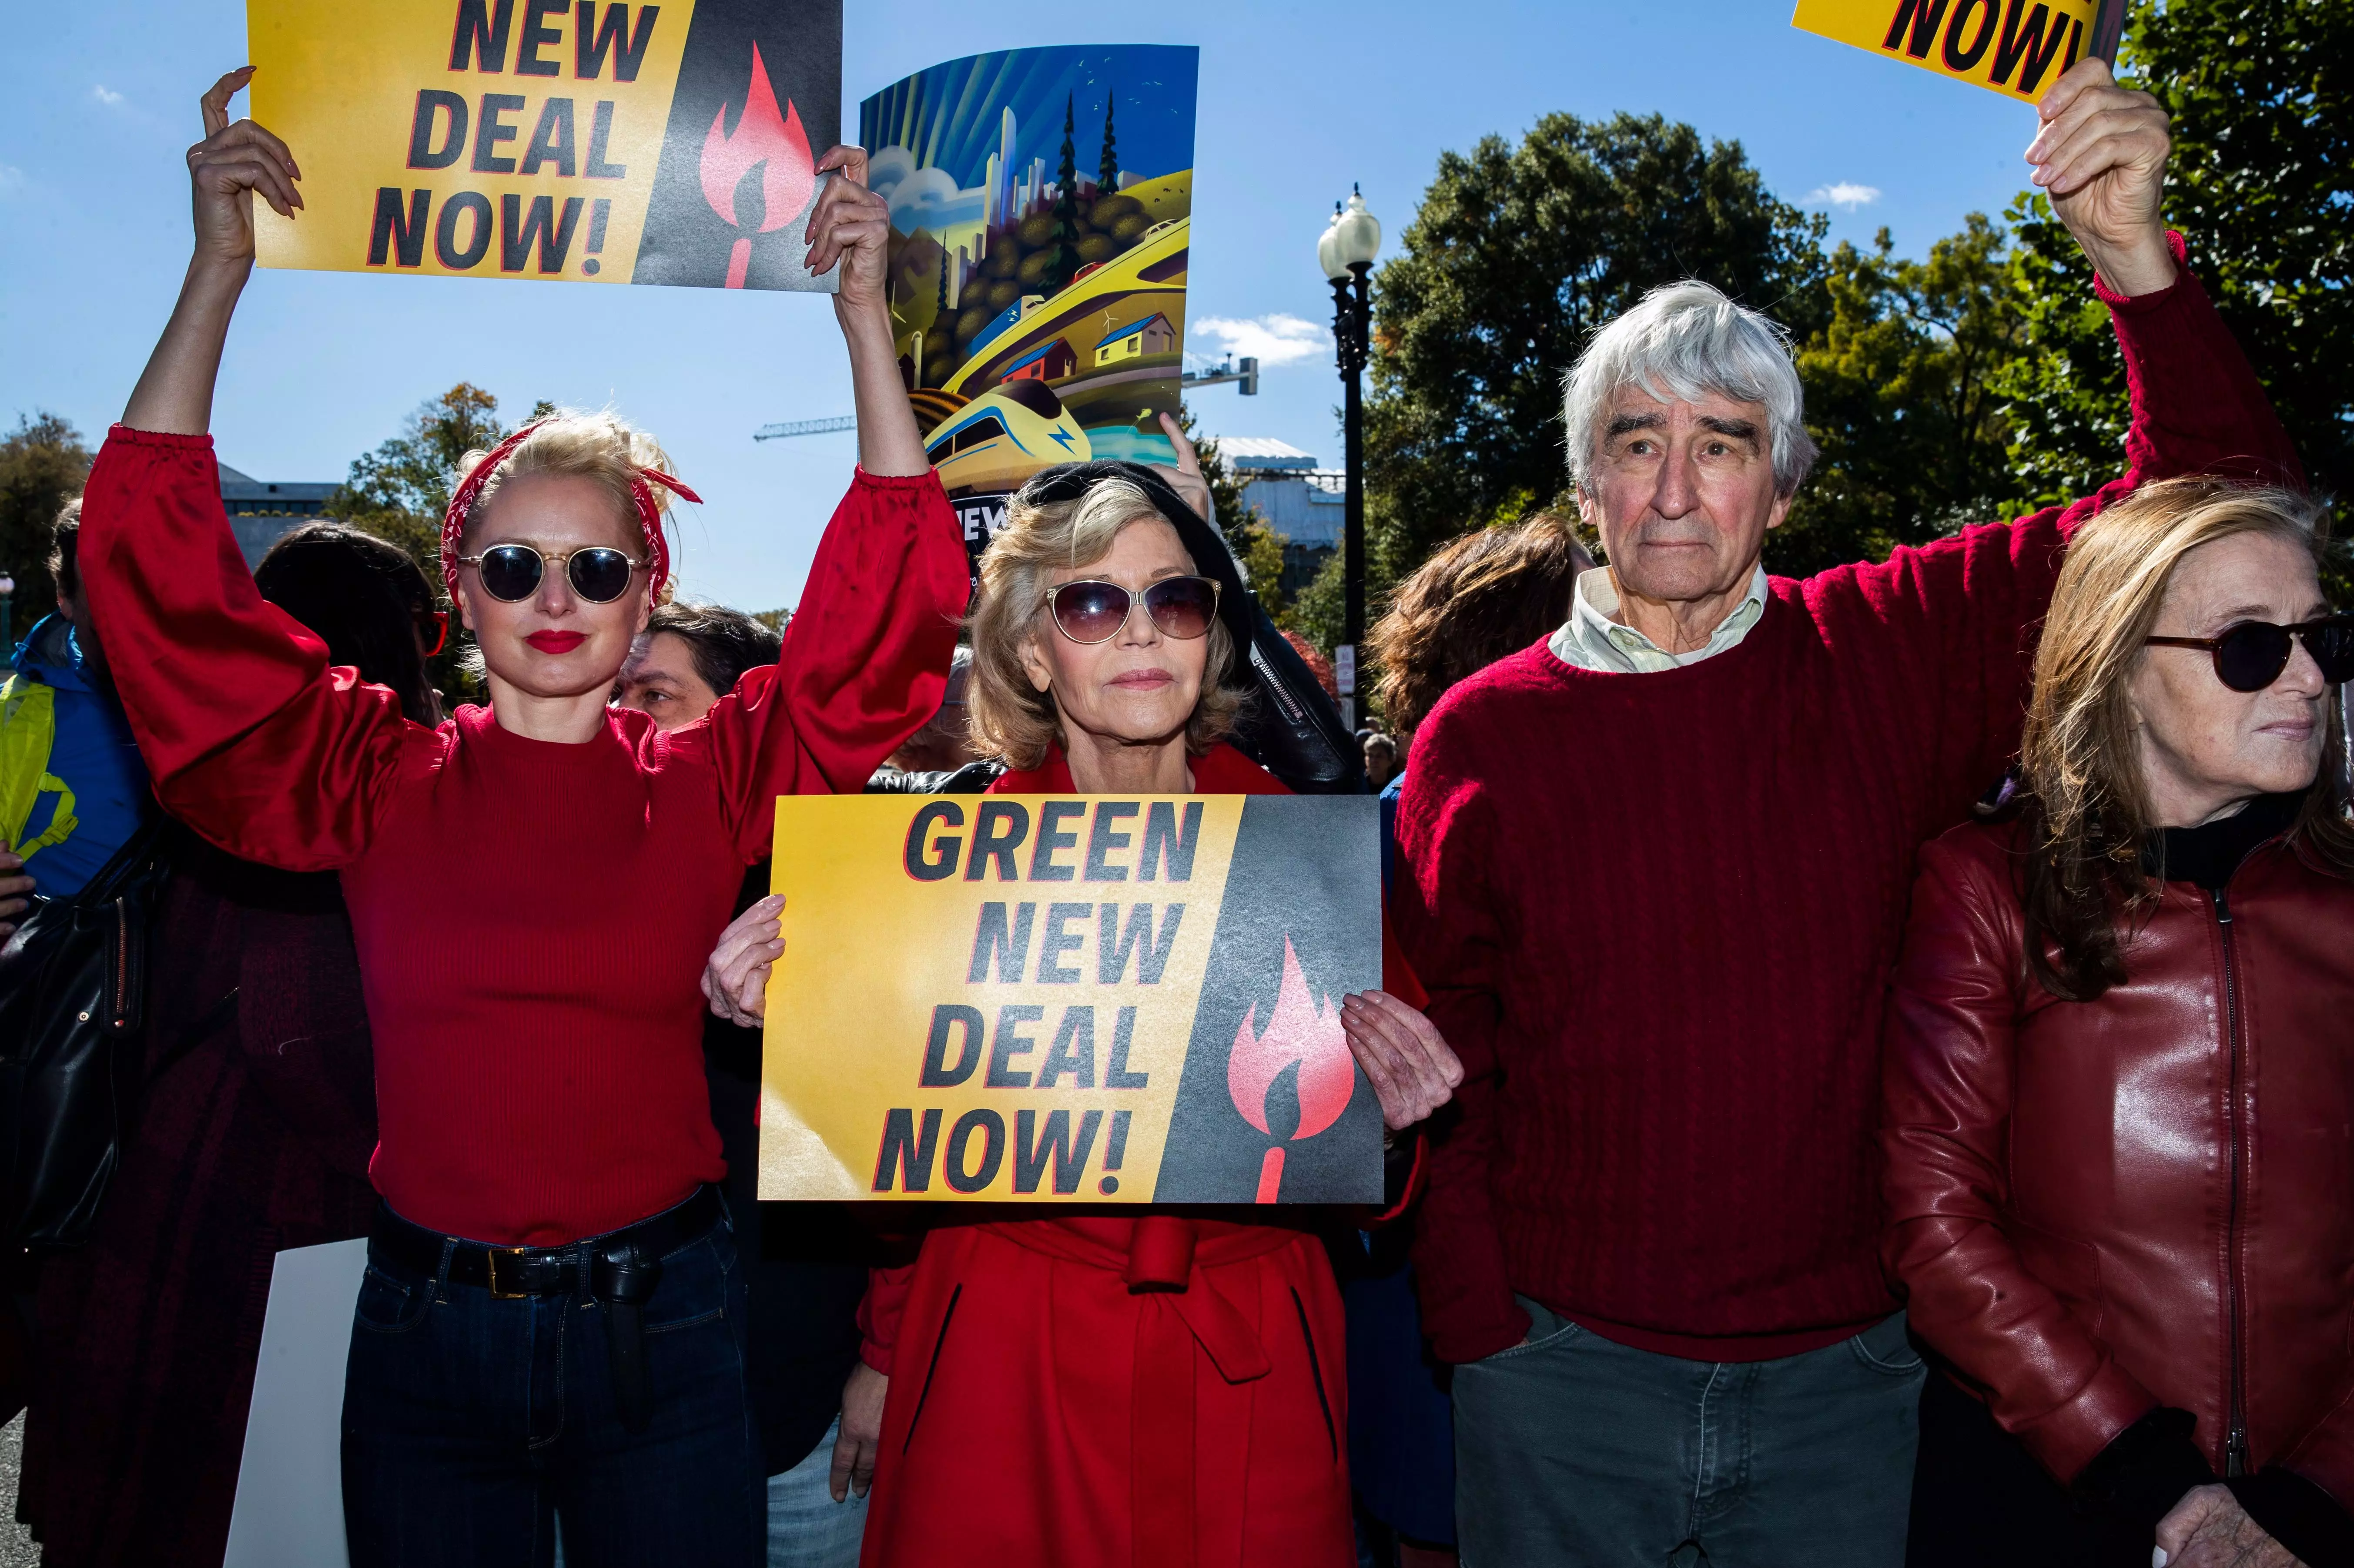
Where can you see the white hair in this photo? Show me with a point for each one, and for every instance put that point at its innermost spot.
(1682, 342)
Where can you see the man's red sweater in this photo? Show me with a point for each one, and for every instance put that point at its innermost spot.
(1657, 913)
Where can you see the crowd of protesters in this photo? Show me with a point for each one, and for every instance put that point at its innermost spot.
(1860, 1057)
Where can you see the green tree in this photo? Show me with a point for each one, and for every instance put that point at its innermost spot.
(1107, 165)
(1517, 254)
(2262, 185)
(2064, 390)
(400, 491)
(43, 464)
(1900, 398)
(1066, 261)
(1257, 546)
(1320, 612)
(1225, 488)
(1261, 548)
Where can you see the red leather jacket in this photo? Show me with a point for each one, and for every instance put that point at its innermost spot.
(2147, 1199)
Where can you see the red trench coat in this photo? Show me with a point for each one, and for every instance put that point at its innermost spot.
(1044, 1410)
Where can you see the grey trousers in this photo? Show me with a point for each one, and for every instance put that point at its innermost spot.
(1573, 1452)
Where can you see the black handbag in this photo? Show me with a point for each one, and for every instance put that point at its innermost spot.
(73, 991)
(1292, 729)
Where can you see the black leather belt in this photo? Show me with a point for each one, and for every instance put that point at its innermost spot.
(512, 1273)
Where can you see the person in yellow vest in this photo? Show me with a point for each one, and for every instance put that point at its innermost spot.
(72, 787)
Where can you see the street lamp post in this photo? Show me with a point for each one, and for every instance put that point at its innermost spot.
(1346, 253)
(7, 595)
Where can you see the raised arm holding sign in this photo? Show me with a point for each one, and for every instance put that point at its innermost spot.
(546, 1152)
(1660, 1180)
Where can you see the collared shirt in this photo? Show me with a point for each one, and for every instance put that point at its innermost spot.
(1590, 639)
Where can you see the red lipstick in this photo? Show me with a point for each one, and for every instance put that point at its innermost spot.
(555, 641)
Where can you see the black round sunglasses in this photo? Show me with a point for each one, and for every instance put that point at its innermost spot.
(2252, 655)
(513, 572)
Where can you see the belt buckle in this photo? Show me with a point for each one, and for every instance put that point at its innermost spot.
(490, 1264)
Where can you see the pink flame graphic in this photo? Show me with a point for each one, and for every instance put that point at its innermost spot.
(763, 136)
(1302, 1029)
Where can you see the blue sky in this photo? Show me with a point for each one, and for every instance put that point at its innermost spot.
(98, 103)
(1153, 121)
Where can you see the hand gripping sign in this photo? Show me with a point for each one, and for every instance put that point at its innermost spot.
(1075, 999)
(2018, 47)
(601, 142)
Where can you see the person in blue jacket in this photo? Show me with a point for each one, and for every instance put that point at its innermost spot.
(87, 787)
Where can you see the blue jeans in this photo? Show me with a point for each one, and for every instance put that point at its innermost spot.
(1574, 1450)
(807, 1529)
(470, 1421)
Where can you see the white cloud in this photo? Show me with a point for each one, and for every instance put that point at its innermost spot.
(1271, 340)
(106, 96)
(11, 178)
(887, 167)
(1846, 194)
(926, 199)
(929, 199)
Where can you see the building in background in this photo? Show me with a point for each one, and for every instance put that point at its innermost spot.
(1154, 335)
(1299, 500)
(261, 513)
(1050, 361)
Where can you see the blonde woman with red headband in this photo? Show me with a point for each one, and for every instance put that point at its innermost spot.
(551, 1326)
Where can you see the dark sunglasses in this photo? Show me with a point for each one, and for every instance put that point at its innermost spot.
(432, 629)
(1094, 611)
(512, 572)
(2252, 655)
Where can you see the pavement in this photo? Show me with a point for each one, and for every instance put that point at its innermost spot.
(16, 1548)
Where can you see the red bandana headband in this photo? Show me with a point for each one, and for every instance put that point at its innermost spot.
(454, 521)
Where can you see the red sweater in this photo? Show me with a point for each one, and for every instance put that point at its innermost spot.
(532, 918)
(1662, 911)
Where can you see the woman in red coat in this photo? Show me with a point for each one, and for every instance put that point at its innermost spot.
(551, 1323)
(1160, 1387)
(2119, 1101)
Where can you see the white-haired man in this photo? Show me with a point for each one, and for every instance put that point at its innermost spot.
(1658, 868)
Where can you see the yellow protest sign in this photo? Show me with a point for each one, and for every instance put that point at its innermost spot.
(606, 141)
(1121, 999)
(2018, 47)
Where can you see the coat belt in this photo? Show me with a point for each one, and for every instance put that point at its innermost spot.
(1166, 1258)
(1178, 1309)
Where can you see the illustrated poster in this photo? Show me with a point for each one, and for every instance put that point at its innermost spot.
(1041, 210)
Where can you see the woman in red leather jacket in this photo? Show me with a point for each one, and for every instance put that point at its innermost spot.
(2119, 1098)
